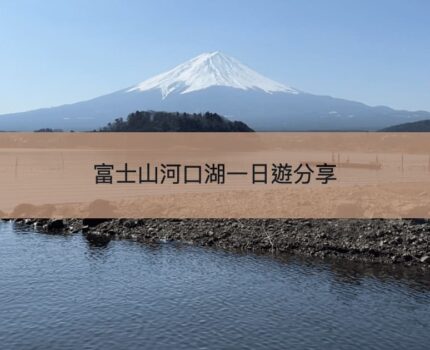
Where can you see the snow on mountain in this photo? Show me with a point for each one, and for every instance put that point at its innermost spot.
(208, 70)
(217, 83)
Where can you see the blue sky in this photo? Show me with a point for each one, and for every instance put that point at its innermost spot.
(56, 51)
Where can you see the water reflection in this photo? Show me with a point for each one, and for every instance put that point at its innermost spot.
(98, 252)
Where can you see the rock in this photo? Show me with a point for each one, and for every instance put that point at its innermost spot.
(40, 222)
(425, 259)
(93, 222)
(97, 237)
(54, 225)
(407, 257)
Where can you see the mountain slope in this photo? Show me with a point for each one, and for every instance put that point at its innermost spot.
(419, 126)
(221, 84)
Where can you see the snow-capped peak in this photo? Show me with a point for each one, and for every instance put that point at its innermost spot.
(210, 69)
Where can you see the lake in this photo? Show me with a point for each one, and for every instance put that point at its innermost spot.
(63, 292)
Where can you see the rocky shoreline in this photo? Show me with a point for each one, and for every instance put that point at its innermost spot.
(400, 242)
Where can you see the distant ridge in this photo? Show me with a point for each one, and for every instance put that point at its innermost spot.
(419, 126)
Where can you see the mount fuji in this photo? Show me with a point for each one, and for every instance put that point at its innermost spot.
(218, 83)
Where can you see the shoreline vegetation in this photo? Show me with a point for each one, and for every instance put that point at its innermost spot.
(380, 241)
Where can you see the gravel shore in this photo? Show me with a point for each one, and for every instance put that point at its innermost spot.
(404, 242)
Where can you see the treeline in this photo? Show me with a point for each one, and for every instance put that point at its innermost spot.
(49, 130)
(151, 121)
(419, 126)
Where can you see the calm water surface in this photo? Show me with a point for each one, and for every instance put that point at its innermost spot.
(60, 292)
